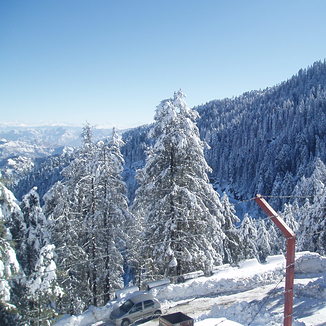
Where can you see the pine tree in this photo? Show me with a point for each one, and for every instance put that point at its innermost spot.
(13, 219)
(9, 266)
(39, 293)
(231, 242)
(277, 240)
(263, 241)
(311, 215)
(136, 264)
(289, 215)
(36, 234)
(304, 241)
(112, 216)
(43, 290)
(89, 212)
(182, 213)
(65, 230)
(248, 233)
(67, 207)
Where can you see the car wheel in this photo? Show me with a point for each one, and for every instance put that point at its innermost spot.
(158, 312)
(125, 322)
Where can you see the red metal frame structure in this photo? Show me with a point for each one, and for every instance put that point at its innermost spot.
(290, 253)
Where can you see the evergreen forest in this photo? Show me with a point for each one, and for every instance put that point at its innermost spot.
(163, 200)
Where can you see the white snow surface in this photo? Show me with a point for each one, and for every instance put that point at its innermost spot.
(251, 294)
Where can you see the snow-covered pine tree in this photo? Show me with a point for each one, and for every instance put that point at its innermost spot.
(181, 211)
(303, 241)
(112, 216)
(311, 215)
(36, 234)
(319, 215)
(88, 204)
(231, 243)
(277, 241)
(134, 254)
(89, 212)
(9, 266)
(248, 233)
(290, 215)
(14, 220)
(43, 290)
(263, 241)
(65, 226)
(106, 214)
(39, 295)
(67, 206)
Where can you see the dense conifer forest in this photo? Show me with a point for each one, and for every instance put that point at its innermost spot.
(164, 199)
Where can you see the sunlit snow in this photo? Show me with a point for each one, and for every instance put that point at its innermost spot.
(251, 294)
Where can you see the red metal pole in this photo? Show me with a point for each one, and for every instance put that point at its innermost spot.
(290, 256)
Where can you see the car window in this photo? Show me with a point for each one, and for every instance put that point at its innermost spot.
(126, 306)
(136, 307)
(148, 303)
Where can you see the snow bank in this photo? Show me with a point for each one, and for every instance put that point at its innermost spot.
(249, 275)
(309, 262)
(246, 313)
(314, 289)
(93, 314)
(89, 317)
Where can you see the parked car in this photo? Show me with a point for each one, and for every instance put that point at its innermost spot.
(137, 306)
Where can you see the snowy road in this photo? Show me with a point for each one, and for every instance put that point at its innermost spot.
(250, 295)
(268, 299)
(200, 308)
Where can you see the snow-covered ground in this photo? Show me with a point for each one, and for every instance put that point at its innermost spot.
(251, 294)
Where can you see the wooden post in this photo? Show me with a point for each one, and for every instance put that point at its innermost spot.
(290, 256)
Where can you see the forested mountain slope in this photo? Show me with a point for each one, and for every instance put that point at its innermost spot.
(263, 138)
(262, 141)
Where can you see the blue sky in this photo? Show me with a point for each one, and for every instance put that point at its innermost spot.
(111, 62)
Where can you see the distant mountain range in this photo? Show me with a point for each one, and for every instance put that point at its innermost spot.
(26, 150)
(44, 136)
